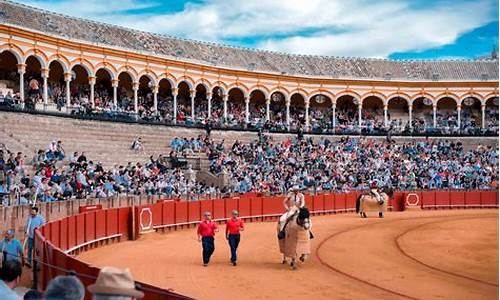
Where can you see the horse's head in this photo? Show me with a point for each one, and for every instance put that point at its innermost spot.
(303, 218)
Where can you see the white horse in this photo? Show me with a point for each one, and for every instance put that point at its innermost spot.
(368, 202)
(294, 238)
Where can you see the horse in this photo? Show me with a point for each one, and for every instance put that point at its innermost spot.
(294, 238)
(367, 202)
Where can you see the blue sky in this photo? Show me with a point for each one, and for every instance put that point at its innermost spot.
(396, 29)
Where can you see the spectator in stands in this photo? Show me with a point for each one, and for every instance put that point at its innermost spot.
(65, 288)
(11, 247)
(10, 276)
(113, 283)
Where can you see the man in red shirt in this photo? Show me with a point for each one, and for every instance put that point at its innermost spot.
(206, 232)
(233, 228)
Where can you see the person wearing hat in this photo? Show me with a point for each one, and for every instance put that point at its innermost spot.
(11, 248)
(374, 192)
(113, 282)
(292, 203)
(233, 228)
(206, 232)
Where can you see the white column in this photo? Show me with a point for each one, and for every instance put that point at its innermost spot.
(334, 121)
(459, 116)
(174, 95)
(92, 91)
(287, 112)
(45, 77)
(192, 93)
(225, 98)
(360, 119)
(307, 114)
(483, 116)
(135, 88)
(114, 84)
(247, 109)
(155, 98)
(209, 108)
(21, 68)
(410, 116)
(67, 79)
(385, 115)
(268, 109)
(434, 115)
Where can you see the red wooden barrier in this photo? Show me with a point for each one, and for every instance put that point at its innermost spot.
(428, 199)
(272, 206)
(181, 212)
(340, 200)
(87, 208)
(100, 224)
(350, 201)
(231, 204)
(63, 236)
(398, 201)
(194, 211)
(244, 206)
(219, 209)
(55, 231)
(124, 218)
(168, 212)
(442, 199)
(256, 206)
(206, 205)
(71, 232)
(473, 199)
(111, 221)
(488, 199)
(329, 202)
(157, 210)
(80, 229)
(90, 226)
(457, 199)
(318, 204)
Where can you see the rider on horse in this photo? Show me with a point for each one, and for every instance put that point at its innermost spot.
(292, 203)
(374, 192)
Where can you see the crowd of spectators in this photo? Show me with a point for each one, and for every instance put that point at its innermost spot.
(57, 176)
(353, 164)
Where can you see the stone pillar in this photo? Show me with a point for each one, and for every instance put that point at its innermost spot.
(459, 116)
(483, 116)
(434, 115)
(247, 109)
(268, 109)
(114, 84)
(307, 114)
(192, 93)
(410, 116)
(225, 98)
(45, 77)
(21, 69)
(334, 121)
(174, 95)
(360, 119)
(92, 91)
(67, 79)
(209, 108)
(288, 112)
(155, 97)
(385, 115)
(135, 88)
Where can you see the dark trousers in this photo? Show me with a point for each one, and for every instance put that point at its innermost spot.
(207, 242)
(234, 241)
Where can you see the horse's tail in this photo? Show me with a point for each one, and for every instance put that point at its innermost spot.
(358, 203)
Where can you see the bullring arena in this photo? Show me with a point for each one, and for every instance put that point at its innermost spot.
(411, 255)
(117, 142)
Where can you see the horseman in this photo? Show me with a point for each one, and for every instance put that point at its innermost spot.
(292, 203)
(375, 193)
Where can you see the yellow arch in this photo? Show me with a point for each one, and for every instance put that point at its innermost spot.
(169, 77)
(240, 86)
(321, 91)
(422, 94)
(18, 52)
(347, 92)
(204, 82)
(108, 67)
(149, 74)
(489, 96)
(398, 95)
(260, 87)
(186, 79)
(472, 94)
(448, 95)
(374, 94)
(220, 85)
(129, 70)
(280, 89)
(87, 65)
(39, 55)
(60, 59)
(299, 91)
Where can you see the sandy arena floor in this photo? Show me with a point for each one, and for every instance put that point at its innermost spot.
(448, 254)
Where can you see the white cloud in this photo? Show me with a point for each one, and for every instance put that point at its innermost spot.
(344, 28)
